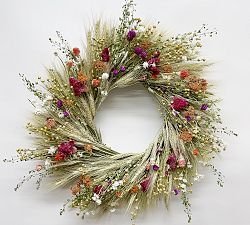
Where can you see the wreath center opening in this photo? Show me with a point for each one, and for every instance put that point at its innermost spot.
(129, 119)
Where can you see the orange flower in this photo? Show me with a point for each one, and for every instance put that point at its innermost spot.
(196, 151)
(118, 194)
(75, 189)
(68, 102)
(82, 77)
(88, 148)
(134, 189)
(87, 181)
(95, 82)
(186, 136)
(197, 84)
(76, 51)
(50, 123)
(100, 66)
(167, 68)
(145, 45)
(189, 112)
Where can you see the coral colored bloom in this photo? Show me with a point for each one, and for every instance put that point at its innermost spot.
(105, 55)
(96, 82)
(118, 194)
(69, 64)
(131, 35)
(179, 103)
(184, 74)
(50, 123)
(76, 51)
(196, 151)
(135, 189)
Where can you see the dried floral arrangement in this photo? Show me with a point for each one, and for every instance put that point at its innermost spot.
(68, 145)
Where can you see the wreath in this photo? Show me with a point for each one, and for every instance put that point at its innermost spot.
(68, 145)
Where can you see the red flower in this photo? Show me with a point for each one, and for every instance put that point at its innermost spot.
(97, 189)
(59, 156)
(155, 71)
(184, 74)
(77, 86)
(67, 148)
(76, 51)
(105, 55)
(95, 82)
(171, 161)
(179, 103)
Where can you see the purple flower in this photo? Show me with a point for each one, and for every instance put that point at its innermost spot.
(144, 55)
(204, 107)
(155, 167)
(188, 118)
(138, 50)
(115, 72)
(131, 35)
(122, 68)
(59, 103)
(145, 184)
(65, 113)
(176, 191)
(172, 161)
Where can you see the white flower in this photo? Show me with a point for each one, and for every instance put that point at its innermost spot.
(184, 58)
(104, 93)
(105, 76)
(116, 184)
(153, 65)
(183, 187)
(52, 150)
(60, 115)
(96, 198)
(48, 98)
(112, 210)
(145, 65)
(47, 164)
(184, 180)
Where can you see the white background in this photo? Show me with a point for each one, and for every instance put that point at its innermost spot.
(129, 119)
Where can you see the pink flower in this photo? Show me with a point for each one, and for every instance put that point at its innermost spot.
(105, 55)
(78, 87)
(181, 161)
(179, 103)
(67, 148)
(145, 184)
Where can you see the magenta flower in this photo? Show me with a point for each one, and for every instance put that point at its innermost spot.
(204, 107)
(172, 161)
(67, 148)
(115, 72)
(179, 103)
(176, 191)
(105, 55)
(138, 50)
(65, 113)
(155, 167)
(122, 68)
(131, 35)
(77, 86)
(145, 184)
(59, 103)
